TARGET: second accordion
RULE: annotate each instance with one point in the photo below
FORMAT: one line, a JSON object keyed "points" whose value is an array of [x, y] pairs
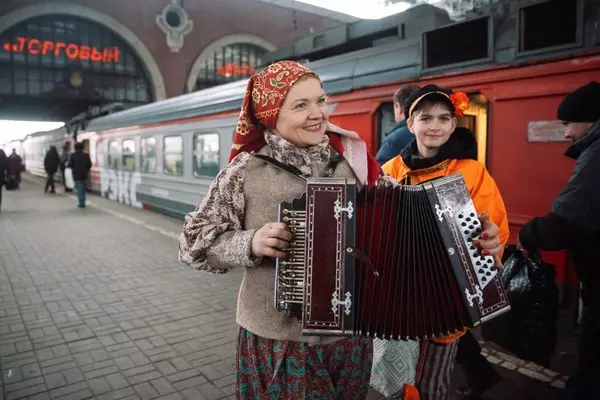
{"points": [[393, 261]]}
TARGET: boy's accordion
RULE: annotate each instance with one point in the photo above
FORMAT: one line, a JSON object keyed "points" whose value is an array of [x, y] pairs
{"points": [[394, 262]]}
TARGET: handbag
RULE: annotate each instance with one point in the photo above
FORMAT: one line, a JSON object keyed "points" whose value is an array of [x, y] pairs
{"points": [[69, 182], [528, 330]]}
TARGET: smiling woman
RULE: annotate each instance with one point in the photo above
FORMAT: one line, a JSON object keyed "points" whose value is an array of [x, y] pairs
{"points": [[284, 120]]}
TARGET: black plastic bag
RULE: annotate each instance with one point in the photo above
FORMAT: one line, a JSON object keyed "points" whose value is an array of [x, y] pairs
{"points": [[528, 330]]}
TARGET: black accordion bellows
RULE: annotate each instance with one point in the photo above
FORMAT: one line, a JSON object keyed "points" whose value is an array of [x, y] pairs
{"points": [[394, 262]]}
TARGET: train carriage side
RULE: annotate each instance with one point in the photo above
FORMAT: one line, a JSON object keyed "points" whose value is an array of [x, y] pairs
{"points": [[165, 167]]}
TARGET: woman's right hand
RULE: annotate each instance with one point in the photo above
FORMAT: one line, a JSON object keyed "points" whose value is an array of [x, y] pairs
{"points": [[270, 240]]}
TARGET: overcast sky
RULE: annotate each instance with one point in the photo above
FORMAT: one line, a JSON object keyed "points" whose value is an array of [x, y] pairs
{"points": [[367, 9], [11, 130]]}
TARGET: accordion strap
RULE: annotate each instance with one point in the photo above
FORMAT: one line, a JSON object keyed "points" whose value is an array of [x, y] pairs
{"points": [[290, 169]]}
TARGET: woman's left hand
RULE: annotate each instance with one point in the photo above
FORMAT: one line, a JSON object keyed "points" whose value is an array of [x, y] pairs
{"points": [[489, 242]]}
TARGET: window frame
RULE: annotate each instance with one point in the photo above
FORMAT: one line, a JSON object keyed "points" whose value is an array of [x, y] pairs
{"points": [[143, 156], [194, 159], [123, 154], [165, 155]]}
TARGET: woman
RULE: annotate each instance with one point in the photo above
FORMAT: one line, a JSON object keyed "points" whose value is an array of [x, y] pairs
{"points": [[4, 172], [284, 116], [441, 149]]}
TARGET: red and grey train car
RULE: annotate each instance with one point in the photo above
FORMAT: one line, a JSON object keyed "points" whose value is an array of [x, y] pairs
{"points": [[516, 61]]}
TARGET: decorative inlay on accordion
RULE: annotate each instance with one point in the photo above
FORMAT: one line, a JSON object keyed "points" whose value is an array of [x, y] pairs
{"points": [[394, 262]]}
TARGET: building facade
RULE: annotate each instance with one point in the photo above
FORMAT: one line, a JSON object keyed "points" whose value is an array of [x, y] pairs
{"points": [[59, 57]]}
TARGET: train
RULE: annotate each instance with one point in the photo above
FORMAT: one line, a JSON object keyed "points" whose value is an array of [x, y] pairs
{"points": [[511, 62]]}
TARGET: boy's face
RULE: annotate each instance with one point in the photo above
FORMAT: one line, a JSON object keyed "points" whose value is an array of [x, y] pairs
{"points": [[432, 126]]}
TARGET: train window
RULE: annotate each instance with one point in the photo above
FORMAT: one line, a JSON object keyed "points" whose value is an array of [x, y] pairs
{"points": [[128, 157], [537, 25], [206, 154], [173, 155], [113, 154], [148, 155], [99, 155], [471, 42]]}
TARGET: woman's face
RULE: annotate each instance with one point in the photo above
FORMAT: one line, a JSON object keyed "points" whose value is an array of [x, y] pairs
{"points": [[303, 117], [432, 127]]}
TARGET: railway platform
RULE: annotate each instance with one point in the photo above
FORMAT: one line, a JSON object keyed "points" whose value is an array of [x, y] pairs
{"points": [[95, 304]]}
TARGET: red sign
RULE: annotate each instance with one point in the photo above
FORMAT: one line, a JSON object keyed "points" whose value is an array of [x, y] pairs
{"points": [[235, 70], [72, 50]]}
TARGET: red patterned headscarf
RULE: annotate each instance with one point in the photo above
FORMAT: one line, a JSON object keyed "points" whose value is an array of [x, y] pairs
{"points": [[264, 97]]}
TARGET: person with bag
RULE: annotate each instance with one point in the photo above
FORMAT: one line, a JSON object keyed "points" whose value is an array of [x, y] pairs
{"points": [[283, 120], [441, 149], [574, 224]]}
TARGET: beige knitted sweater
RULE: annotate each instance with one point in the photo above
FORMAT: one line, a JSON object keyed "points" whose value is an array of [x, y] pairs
{"points": [[217, 236]]}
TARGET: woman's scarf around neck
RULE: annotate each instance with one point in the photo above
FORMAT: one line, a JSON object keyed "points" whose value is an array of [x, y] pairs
{"points": [[460, 146], [303, 158]]}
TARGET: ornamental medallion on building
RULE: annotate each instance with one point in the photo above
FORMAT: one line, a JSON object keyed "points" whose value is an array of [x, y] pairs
{"points": [[174, 22]]}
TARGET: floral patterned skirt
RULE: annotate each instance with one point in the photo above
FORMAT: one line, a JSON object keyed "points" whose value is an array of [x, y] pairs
{"points": [[280, 369]]}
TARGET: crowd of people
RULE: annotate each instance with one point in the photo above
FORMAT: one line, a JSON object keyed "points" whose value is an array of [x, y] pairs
{"points": [[74, 167], [284, 121]]}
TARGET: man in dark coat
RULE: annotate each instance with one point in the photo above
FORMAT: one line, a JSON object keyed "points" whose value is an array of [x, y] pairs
{"points": [[16, 166], [574, 225], [51, 163], [396, 139], [80, 163], [4, 172]]}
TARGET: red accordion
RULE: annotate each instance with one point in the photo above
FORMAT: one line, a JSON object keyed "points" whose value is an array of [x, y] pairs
{"points": [[393, 262]]}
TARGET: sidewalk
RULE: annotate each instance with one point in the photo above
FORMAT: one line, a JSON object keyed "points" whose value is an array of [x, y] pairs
{"points": [[94, 304]]}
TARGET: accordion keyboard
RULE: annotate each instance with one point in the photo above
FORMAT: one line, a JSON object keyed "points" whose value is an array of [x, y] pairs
{"points": [[289, 280], [470, 229]]}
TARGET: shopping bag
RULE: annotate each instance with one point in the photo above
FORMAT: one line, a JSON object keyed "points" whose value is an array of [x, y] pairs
{"points": [[528, 330], [69, 182]]}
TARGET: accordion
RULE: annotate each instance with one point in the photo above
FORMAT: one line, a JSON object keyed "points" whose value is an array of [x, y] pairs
{"points": [[393, 262]]}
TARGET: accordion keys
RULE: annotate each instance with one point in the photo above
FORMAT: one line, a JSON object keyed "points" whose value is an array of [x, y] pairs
{"points": [[289, 273]]}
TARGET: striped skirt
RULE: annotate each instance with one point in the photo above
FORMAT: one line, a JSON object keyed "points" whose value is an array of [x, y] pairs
{"points": [[280, 369], [434, 373]]}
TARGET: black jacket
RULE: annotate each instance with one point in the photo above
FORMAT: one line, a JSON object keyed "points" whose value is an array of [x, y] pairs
{"points": [[574, 222], [51, 162], [394, 142], [80, 163], [4, 170]]}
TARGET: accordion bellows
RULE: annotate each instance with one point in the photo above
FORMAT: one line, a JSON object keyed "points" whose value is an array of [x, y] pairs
{"points": [[393, 262]]}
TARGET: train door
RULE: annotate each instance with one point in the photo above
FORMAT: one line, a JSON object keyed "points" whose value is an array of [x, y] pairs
{"points": [[476, 120], [385, 122]]}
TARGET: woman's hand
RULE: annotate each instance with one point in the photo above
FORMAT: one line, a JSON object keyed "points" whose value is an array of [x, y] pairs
{"points": [[270, 240], [489, 242]]}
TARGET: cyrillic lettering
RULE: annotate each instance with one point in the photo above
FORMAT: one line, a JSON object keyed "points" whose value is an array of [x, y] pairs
{"points": [[84, 52], [34, 49], [21, 44], [59, 45], [72, 51], [47, 46], [109, 55], [96, 55]]}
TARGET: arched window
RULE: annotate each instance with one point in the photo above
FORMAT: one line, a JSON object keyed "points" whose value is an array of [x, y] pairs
{"points": [[230, 63], [68, 62]]}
